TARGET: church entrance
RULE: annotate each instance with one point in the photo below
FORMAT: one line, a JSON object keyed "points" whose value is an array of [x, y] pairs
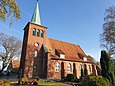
{"points": [[62, 70]]}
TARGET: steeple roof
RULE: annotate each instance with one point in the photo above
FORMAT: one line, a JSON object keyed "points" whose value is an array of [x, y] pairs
{"points": [[36, 15]]}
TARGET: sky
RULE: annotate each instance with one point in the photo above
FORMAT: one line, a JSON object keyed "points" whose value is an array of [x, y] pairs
{"points": [[75, 21]]}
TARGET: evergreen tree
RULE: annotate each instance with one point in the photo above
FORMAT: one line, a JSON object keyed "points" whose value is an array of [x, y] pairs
{"points": [[107, 71]]}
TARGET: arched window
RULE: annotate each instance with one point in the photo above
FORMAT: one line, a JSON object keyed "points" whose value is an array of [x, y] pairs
{"points": [[69, 68], [38, 33], [57, 67], [89, 68], [35, 53], [42, 34], [36, 44], [80, 67], [34, 32]]}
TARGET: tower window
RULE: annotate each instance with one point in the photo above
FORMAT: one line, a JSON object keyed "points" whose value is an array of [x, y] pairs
{"points": [[38, 33], [34, 32], [42, 34], [69, 67], [57, 67]]}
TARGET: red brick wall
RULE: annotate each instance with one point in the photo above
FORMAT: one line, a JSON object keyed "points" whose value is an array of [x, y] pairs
{"points": [[32, 66], [52, 74]]}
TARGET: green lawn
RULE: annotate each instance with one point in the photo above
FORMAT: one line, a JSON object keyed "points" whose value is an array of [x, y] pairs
{"points": [[52, 83]]}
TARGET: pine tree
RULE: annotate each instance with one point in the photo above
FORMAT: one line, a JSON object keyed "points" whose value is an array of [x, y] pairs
{"points": [[106, 67]]}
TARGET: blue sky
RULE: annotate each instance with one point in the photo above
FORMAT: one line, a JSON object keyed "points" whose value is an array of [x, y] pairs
{"points": [[75, 21]]}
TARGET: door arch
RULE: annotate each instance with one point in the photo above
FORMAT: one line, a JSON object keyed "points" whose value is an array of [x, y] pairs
{"points": [[62, 70], [74, 70]]}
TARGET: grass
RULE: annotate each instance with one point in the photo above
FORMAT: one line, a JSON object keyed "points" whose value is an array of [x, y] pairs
{"points": [[52, 83]]}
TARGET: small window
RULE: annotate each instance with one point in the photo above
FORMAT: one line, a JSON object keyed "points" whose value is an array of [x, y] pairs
{"points": [[38, 33], [80, 67], [69, 68], [85, 59], [34, 32], [57, 67], [42, 34], [35, 53], [36, 44], [89, 69]]}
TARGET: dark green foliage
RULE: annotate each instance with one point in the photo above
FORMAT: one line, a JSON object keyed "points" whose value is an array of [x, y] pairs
{"points": [[76, 80], [70, 77], [91, 58], [95, 81], [106, 67], [81, 79]]}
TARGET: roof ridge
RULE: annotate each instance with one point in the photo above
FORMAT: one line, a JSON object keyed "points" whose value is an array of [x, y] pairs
{"points": [[64, 42]]}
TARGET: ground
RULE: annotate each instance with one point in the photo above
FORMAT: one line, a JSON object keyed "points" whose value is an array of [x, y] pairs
{"points": [[14, 82]]}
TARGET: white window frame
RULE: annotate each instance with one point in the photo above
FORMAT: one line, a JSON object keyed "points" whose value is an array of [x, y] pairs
{"points": [[34, 32], [38, 33], [80, 67], [57, 66], [69, 67], [42, 34], [89, 68], [35, 53]]}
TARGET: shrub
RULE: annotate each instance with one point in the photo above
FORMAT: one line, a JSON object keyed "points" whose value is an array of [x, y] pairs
{"points": [[23, 81], [70, 77], [95, 81], [76, 80], [1, 82], [7, 83], [81, 78], [40, 81], [35, 83]]}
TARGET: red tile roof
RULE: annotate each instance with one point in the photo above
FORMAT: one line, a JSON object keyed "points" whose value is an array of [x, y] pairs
{"points": [[71, 51], [60, 51]]}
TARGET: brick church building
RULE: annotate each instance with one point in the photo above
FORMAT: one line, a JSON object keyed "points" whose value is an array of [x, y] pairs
{"points": [[49, 58]]}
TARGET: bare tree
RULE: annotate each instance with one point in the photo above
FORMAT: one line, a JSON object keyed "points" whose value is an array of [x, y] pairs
{"points": [[108, 36], [10, 48]]}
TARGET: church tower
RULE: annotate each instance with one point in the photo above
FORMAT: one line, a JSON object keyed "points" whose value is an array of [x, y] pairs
{"points": [[31, 64]]}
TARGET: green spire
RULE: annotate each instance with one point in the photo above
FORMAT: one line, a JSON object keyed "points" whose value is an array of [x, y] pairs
{"points": [[36, 15]]}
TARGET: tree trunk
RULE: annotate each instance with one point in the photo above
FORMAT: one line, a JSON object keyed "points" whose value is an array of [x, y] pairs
{"points": [[3, 67]]}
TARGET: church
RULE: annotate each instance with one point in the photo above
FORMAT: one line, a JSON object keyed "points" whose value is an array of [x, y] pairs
{"points": [[49, 58]]}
